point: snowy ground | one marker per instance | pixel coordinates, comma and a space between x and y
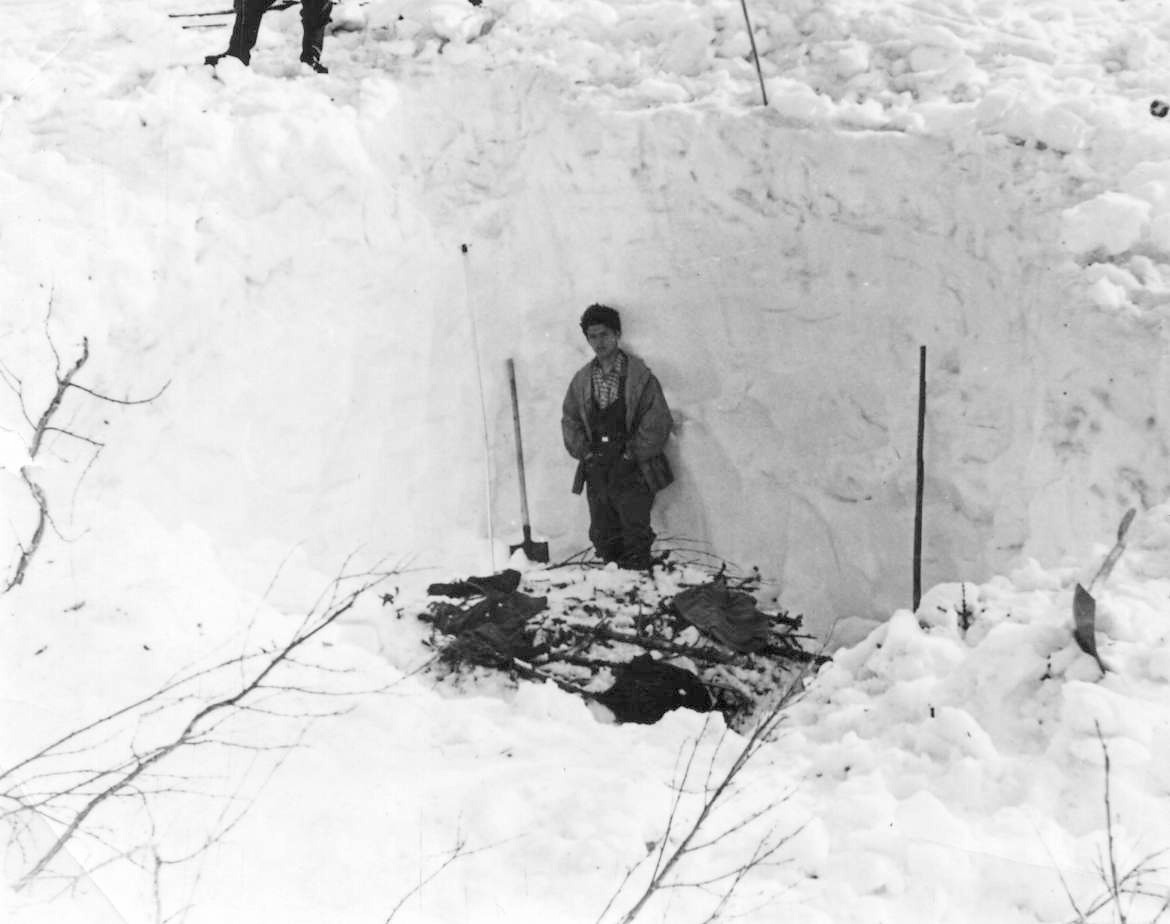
284, 253
929, 774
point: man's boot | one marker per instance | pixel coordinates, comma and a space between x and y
311, 56
315, 15
245, 31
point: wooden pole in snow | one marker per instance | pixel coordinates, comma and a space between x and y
921, 477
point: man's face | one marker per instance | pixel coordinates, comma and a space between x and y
603, 341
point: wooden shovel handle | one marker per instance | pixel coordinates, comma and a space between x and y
519, 446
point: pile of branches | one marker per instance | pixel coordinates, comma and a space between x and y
592, 645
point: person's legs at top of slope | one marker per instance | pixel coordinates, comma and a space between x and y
315, 16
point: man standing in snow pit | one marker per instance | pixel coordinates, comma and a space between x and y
315, 16
615, 423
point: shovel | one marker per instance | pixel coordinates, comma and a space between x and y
533, 551
1085, 607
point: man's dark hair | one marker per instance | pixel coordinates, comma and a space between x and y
601, 314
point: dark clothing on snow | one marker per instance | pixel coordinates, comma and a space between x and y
620, 458
644, 690
503, 582
731, 616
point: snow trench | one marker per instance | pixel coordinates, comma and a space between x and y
337, 356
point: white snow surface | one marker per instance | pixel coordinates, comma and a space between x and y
327, 273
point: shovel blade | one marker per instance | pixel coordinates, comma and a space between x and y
533, 551
1085, 619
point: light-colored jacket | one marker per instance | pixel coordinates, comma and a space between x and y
648, 422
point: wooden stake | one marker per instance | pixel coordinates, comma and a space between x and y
921, 477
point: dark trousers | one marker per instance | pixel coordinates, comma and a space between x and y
619, 513
314, 18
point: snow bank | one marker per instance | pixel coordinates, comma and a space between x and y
288, 253
997, 721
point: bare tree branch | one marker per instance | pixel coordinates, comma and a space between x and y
123, 401
1121, 890
34, 543
16, 386
1114, 883
45, 425
679, 789
55, 401
458, 851
152, 697
735, 828
128, 777
76, 436
662, 877
454, 855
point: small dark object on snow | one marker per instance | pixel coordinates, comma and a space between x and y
644, 690
730, 616
1159, 109
503, 583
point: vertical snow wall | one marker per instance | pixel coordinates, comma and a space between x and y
294, 264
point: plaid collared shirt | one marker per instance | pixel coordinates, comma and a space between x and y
606, 385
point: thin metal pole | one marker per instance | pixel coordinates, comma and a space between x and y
921, 477
755, 55
487, 454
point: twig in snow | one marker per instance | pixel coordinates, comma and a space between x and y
45, 425
54, 404
459, 850
34, 542
1122, 889
454, 855
1113, 881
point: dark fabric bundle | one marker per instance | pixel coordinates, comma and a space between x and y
503, 583
644, 690
495, 643
730, 616
493, 631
